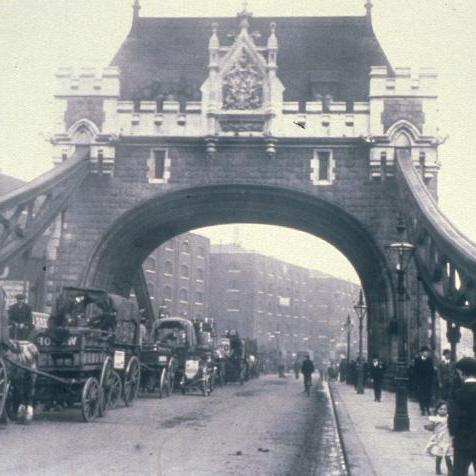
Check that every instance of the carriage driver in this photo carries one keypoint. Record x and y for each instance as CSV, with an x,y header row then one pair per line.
x,y
20,319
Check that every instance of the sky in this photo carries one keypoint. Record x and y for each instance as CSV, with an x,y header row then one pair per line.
x,y
37,36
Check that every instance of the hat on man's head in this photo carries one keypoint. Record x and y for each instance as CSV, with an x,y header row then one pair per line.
x,y
425,348
20,296
467,365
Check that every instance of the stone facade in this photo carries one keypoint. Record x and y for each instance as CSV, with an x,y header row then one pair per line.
x,y
276,151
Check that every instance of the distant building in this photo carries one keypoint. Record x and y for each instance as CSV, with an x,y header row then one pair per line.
x,y
277,303
177,276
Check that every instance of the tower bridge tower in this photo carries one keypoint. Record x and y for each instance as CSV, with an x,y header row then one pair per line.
x,y
290,121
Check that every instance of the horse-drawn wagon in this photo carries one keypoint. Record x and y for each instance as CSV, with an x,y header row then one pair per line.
x,y
88,355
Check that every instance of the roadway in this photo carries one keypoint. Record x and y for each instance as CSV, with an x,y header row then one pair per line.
x,y
266,427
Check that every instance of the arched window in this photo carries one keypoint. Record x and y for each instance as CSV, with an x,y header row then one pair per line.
x,y
200,274
201,252
169,267
184,272
167,292
199,297
183,295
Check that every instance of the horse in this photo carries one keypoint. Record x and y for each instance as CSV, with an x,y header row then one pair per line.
x,y
21,359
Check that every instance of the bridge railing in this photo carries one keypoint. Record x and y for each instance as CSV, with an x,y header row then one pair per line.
x,y
25,213
445,258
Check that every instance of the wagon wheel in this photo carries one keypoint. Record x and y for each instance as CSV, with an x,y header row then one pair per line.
x,y
90,399
171,372
131,381
164,386
104,384
205,387
113,390
3,385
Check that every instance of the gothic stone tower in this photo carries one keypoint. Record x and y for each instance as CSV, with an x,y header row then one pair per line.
x,y
285,121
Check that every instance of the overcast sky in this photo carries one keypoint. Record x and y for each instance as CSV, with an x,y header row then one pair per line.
x,y
36,36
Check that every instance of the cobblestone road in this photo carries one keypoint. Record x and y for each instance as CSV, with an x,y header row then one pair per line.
x,y
266,427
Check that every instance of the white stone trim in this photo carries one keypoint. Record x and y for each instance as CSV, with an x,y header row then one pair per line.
x,y
315,165
151,166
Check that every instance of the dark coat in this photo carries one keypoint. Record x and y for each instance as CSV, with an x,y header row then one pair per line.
x,y
462,418
21,314
423,372
307,367
377,371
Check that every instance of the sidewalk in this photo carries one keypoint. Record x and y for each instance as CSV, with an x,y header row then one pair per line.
x,y
370,444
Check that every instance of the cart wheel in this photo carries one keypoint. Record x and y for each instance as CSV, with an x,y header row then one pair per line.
x,y
90,399
205,388
113,390
164,389
4,387
103,385
131,381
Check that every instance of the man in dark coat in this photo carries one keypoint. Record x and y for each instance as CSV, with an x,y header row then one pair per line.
x,y
20,319
377,373
423,374
462,418
307,369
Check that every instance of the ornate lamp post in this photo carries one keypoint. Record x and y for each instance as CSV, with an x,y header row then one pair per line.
x,y
402,251
348,328
361,310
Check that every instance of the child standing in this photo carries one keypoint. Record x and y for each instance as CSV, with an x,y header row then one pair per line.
x,y
439,445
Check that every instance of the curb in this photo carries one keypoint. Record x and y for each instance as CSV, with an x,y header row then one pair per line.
x,y
356,458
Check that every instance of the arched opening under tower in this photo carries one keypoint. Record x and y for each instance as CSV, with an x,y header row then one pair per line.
x,y
132,238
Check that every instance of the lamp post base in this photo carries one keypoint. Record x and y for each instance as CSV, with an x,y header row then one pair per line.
x,y
401,422
360,379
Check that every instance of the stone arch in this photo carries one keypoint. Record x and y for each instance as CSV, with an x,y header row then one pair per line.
x,y
403,133
128,242
83,132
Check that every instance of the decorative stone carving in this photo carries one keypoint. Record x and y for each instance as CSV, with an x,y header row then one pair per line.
x,y
243,85
242,125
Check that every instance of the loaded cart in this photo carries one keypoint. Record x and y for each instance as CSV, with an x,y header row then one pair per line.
x,y
88,355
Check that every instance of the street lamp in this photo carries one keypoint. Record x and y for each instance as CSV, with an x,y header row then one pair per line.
x,y
402,251
348,328
361,310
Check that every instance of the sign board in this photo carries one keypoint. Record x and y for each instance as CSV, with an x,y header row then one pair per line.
x,y
40,320
119,359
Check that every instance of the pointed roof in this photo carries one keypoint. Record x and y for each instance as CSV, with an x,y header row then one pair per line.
x,y
162,56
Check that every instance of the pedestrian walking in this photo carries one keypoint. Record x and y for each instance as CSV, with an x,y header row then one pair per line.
x,y
297,368
423,377
439,445
462,418
377,373
20,319
307,369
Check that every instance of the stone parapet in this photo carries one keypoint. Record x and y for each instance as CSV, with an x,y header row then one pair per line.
x,y
402,82
87,82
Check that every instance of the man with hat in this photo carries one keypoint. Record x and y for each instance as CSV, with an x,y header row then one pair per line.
x,y
424,371
462,418
20,319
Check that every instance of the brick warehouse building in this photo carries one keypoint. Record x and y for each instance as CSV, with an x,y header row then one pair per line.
x,y
177,276
195,124
268,299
